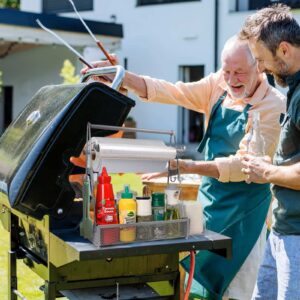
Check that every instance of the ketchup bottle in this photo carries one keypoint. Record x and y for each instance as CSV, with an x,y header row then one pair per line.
x,y
106,212
105,203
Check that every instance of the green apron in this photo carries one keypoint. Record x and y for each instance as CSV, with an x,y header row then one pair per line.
x,y
235,209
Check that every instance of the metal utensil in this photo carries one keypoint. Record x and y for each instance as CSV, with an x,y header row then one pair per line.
x,y
99,44
80,57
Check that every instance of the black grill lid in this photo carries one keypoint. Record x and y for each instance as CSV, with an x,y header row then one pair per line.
x,y
35,149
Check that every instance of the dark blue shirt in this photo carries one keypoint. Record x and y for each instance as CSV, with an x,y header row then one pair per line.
x,y
287,214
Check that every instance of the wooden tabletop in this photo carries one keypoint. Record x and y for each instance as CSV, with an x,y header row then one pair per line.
x,y
189,186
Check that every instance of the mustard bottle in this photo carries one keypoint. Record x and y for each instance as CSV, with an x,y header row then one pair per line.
x,y
127,215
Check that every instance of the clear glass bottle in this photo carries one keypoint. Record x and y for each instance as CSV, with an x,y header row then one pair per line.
x,y
256,142
172,210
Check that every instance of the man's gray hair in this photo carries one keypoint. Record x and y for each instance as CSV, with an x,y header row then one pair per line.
x,y
234,43
271,26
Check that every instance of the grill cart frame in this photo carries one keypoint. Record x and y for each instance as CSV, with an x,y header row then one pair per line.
x,y
37,204
68,253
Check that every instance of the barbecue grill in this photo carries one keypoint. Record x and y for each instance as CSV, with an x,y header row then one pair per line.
x,y
38,209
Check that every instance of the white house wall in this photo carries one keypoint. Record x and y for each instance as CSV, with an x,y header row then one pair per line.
x,y
31,5
32,69
160,38
157,40
230,22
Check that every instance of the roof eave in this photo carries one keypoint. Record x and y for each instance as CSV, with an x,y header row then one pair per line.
x,y
28,19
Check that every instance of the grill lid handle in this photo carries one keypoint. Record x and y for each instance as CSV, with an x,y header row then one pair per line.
x,y
117,70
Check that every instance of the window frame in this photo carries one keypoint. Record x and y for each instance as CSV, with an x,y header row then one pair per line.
x,y
258,4
65,6
159,2
190,73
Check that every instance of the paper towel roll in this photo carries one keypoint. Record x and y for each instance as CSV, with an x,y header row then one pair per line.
x,y
131,155
193,210
134,149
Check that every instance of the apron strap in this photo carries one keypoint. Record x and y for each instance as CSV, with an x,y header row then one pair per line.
x,y
247,107
213,111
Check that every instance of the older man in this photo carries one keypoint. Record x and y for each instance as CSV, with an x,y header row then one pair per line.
x,y
228,99
274,38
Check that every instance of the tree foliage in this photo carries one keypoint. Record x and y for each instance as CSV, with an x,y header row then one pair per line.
x,y
10,4
68,73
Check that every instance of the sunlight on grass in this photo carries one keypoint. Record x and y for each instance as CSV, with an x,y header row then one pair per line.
x,y
29,282
3,262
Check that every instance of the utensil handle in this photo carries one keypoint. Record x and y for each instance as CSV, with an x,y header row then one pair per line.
x,y
100,45
117,70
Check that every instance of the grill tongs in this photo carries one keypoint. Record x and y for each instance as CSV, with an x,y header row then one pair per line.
x,y
93,71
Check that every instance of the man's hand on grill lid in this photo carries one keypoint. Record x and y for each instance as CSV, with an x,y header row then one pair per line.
x,y
133,82
101,64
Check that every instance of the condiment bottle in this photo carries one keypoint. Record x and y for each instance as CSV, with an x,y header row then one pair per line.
x,y
194,212
127,215
158,212
158,206
144,214
172,203
105,202
172,210
106,212
144,209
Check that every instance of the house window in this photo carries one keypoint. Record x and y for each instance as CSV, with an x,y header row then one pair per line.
x,y
59,6
6,107
150,2
191,123
244,5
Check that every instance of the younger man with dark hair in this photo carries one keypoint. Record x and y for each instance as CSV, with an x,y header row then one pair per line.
x,y
274,39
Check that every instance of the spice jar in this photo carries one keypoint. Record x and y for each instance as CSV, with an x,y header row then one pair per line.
x,y
158,212
158,206
144,214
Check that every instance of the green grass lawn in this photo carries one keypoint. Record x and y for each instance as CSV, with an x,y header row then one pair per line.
x,y
29,282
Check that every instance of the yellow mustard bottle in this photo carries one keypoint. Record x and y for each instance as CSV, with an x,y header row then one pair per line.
x,y
127,215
